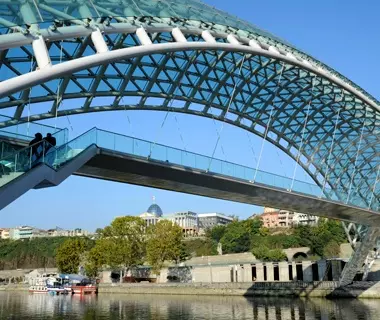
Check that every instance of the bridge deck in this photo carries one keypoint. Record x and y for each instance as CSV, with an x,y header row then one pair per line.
x,y
119,167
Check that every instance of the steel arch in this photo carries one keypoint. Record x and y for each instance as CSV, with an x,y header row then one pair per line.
x,y
162,52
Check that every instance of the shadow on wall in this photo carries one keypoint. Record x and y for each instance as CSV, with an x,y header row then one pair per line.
x,y
285,308
179,274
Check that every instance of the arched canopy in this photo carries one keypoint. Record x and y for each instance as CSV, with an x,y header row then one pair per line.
x,y
88,56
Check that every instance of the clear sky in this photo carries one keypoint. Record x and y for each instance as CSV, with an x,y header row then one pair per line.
x,y
342,34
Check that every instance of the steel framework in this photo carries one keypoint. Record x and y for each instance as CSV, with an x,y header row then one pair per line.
x,y
80,56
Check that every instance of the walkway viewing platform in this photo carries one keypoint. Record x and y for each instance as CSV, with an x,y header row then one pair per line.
x,y
131,160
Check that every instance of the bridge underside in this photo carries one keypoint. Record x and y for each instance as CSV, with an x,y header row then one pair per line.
x,y
114,166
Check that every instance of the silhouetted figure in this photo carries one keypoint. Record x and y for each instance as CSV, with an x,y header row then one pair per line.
x,y
51,142
35,144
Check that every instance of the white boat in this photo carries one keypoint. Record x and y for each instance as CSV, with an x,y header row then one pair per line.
x,y
58,290
38,289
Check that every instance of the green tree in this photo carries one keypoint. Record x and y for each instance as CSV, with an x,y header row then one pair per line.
x,y
70,253
95,259
122,244
216,233
201,247
236,238
265,254
164,244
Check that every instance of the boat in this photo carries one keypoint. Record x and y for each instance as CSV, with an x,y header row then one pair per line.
x,y
84,289
58,290
38,289
49,284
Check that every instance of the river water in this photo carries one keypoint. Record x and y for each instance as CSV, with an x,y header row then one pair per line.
x,y
132,307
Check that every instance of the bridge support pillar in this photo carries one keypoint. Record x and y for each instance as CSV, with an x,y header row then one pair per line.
x,y
367,244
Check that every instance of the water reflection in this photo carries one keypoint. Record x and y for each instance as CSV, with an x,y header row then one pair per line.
x,y
150,307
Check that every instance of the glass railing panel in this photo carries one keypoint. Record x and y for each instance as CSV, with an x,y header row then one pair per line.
x,y
106,139
15,165
141,148
189,159
215,166
174,156
27,130
201,162
123,144
61,136
56,157
159,152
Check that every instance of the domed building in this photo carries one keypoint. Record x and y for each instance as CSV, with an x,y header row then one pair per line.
x,y
153,214
155,209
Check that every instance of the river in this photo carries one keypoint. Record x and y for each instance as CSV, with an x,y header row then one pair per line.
x,y
149,307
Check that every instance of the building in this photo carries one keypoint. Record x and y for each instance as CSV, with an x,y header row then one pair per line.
x,y
4,233
286,219
187,220
153,214
210,220
270,219
19,233
305,219
191,223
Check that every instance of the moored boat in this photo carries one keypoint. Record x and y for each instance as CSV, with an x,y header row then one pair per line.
x,y
84,289
38,289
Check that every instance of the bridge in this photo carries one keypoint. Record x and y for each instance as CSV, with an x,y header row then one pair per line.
x,y
186,57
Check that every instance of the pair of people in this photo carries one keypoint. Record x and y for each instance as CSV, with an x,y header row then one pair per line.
x,y
38,142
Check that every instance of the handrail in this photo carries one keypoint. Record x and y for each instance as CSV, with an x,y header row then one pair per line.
x,y
197,154
23,122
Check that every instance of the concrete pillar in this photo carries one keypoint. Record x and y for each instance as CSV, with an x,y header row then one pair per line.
x,y
283,271
163,276
307,271
270,271
259,272
294,266
321,269
247,273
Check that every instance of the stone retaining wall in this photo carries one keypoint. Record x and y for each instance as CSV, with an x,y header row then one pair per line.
x,y
315,289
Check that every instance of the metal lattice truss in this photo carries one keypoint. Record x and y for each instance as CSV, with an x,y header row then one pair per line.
x,y
71,57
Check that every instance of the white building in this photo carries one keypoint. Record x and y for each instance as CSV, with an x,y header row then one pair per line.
x,y
4,233
304,219
187,220
210,220
285,218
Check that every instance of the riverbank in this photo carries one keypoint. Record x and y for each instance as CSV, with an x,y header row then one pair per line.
x,y
326,289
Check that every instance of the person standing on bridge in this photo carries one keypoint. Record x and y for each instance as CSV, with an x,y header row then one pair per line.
x,y
35,144
51,142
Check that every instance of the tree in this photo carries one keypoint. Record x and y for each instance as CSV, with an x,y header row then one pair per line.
x,y
70,253
216,233
201,247
122,244
265,254
236,238
164,244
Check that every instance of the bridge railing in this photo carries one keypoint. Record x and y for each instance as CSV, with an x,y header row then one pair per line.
x,y
159,152
27,130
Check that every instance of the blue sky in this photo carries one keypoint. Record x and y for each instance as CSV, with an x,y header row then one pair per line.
x,y
343,34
